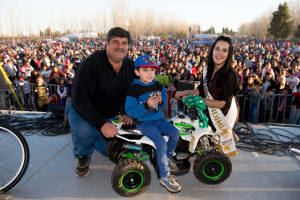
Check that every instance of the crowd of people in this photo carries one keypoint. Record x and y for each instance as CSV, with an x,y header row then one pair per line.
x,y
264,68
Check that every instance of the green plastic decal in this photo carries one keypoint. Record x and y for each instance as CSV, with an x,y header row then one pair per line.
x,y
183,128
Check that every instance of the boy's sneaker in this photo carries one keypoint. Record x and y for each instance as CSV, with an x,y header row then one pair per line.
x,y
170,184
83,166
172,165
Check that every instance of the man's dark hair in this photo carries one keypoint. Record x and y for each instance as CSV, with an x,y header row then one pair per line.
x,y
118,32
291,71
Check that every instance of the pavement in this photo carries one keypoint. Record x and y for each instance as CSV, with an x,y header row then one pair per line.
x,y
51,175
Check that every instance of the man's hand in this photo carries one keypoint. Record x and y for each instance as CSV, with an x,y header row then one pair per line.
x,y
179,94
152,101
109,130
127,120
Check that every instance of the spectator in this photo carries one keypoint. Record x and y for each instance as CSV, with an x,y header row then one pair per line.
x,y
292,80
55,70
10,69
46,73
62,92
284,104
27,69
26,89
41,93
35,74
266,106
266,70
295,115
174,107
268,82
60,65
257,94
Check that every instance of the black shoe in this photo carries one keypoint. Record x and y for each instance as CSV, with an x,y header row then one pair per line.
x,y
83,166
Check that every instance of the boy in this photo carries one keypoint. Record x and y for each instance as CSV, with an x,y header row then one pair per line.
x,y
258,94
144,101
265,108
25,86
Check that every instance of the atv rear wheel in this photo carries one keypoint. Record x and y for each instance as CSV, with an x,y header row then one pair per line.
x,y
114,148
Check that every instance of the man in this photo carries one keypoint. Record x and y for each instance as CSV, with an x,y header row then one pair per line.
x,y
60,65
247,62
10,69
99,92
292,80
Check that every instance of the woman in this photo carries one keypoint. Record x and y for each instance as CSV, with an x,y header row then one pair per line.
x,y
41,93
281,83
219,87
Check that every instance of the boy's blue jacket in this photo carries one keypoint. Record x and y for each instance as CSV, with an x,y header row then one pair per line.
x,y
136,104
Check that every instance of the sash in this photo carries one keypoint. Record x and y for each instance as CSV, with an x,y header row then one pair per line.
x,y
222,124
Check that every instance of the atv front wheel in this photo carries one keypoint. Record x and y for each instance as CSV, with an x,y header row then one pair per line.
x,y
130,177
212,167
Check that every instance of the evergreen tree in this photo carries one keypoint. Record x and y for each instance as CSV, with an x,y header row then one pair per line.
x,y
281,26
297,32
223,30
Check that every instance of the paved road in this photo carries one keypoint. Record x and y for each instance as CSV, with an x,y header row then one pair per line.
x,y
51,175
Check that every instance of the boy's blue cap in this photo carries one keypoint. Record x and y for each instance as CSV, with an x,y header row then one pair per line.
x,y
145,61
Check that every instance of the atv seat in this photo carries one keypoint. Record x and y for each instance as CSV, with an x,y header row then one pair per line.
x,y
132,128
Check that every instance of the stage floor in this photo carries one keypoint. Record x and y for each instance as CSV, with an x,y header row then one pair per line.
x,y
51,175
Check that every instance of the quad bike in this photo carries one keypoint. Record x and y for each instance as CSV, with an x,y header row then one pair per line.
x,y
131,175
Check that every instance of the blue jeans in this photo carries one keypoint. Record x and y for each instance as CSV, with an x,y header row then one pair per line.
x,y
85,137
173,113
253,113
164,150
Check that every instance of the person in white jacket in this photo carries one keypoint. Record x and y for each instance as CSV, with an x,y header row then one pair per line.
x,y
267,69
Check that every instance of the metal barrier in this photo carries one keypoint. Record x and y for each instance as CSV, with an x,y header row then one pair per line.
x,y
274,108
28,100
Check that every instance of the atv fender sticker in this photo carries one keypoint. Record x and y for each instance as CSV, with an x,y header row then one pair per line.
x,y
196,135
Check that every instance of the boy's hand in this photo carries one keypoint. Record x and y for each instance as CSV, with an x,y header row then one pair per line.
x,y
159,98
127,120
152,101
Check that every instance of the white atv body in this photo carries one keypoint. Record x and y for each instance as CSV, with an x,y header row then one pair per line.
x,y
189,131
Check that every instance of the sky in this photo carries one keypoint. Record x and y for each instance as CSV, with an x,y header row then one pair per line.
x,y
206,13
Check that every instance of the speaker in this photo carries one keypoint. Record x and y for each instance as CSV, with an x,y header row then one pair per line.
x,y
188,85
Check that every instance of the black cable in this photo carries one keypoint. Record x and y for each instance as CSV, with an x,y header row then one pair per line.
x,y
270,143
48,124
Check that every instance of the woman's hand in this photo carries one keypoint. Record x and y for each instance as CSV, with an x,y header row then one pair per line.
x,y
179,94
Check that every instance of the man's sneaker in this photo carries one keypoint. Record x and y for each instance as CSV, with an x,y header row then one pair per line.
x,y
170,184
83,166
172,165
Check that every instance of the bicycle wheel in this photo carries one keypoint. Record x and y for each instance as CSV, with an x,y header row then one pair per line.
x,y
14,157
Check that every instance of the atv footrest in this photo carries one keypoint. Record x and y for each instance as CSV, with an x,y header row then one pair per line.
x,y
184,166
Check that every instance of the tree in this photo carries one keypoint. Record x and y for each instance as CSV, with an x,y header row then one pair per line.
x,y
281,25
162,34
12,20
297,32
